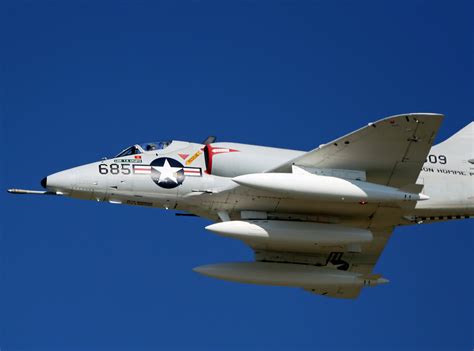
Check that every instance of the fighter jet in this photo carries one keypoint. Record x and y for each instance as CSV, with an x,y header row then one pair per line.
x,y
315,220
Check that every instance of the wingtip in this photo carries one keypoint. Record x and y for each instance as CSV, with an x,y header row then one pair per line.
x,y
413,116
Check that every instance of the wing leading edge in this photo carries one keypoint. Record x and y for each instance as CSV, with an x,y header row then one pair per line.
x,y
391,151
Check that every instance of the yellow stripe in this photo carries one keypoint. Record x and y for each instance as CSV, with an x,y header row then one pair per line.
x,y
193,157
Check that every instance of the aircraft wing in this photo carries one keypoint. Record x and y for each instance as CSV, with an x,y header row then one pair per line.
x,y
391,151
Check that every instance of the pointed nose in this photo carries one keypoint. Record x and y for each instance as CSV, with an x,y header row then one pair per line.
x,y
61,181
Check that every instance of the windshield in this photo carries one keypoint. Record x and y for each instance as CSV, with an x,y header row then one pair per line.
x,y
139,148
132,150
155,145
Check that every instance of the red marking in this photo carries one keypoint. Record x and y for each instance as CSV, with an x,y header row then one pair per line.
x,y
392,122
191,171
210,152
138,157
183,156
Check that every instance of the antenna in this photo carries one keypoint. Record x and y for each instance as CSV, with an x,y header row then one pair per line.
x,y
209,140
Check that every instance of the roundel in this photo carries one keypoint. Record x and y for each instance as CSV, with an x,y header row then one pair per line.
x,y
167,172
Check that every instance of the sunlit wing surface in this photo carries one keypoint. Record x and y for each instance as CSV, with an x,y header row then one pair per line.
x,y
391,151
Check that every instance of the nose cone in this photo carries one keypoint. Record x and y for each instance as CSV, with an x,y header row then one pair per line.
x,y
61,181
79,182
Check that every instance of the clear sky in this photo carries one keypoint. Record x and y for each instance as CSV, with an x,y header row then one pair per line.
x,y
82,80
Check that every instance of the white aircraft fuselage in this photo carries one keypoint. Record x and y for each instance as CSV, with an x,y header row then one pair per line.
x,y
313,224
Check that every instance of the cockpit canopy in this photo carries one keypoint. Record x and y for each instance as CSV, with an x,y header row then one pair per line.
x,y
145,147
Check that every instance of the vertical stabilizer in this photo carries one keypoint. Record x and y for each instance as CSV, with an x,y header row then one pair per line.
x,y
460,144
448,177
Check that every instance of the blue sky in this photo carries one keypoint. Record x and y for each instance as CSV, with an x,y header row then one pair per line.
x,y
82,80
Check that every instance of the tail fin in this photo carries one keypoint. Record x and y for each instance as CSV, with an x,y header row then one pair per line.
x,y
460,144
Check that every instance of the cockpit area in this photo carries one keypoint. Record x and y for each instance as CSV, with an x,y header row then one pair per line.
x,y
142,148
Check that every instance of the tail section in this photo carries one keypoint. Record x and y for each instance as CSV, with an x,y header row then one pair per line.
x,y
460,144
448,178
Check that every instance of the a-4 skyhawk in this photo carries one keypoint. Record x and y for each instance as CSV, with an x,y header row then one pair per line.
x,y
316,220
